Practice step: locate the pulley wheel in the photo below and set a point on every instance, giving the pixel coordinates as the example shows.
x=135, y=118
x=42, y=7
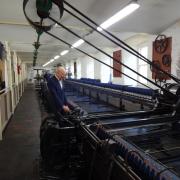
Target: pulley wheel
x=166, y=60
x=155, y=64
x=38, y=11
x=161, y=44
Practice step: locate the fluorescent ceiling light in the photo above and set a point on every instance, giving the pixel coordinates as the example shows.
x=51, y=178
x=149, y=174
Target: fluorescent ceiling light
x=56, y=57
x=130, y=8
x=78, y=43
x=64, y=52
x=52, y=60
x=46, y=64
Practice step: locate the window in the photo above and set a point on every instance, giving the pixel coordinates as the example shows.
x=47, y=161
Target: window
x=105, y=71
x=90, y=69
x=143, y=66
x=130, y=61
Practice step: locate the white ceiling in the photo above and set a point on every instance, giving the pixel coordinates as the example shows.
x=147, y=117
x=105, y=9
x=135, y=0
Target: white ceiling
x=152, y=17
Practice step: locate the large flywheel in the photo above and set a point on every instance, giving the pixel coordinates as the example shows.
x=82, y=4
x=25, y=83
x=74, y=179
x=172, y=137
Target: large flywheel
x=38, y=11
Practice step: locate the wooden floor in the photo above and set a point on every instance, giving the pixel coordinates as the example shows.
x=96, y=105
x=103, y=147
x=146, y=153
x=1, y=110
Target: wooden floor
x=19, y=150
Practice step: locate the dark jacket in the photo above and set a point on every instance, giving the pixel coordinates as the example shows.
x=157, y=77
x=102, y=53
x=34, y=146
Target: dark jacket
x=47, y=76
x=57, y=92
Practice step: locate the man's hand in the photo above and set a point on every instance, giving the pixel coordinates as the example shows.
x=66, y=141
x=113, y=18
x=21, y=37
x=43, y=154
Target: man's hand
x=66, y=109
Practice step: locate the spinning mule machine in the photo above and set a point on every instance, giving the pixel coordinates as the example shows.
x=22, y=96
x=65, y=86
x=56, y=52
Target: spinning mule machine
x=142, y=145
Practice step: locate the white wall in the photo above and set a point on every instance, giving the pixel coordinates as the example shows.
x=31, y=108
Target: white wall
x=83, y=67
x=102, y=71
x=14, y=88
x=106, y=72
x=72, y=69
x=90, y=68
x=97, y=68
x=130, y=61
x=87, y=67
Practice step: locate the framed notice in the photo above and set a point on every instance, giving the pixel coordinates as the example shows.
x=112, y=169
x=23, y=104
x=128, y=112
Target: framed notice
x=117, y=57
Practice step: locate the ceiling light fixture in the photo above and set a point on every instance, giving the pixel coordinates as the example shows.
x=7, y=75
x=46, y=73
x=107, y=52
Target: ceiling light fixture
x=52, y=60
x=130, y=8
x=56, y=57
x=78, y=43
x=46, y=64
x=64, y=52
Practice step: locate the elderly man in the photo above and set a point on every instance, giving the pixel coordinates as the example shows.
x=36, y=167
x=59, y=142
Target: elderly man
x=56, y=88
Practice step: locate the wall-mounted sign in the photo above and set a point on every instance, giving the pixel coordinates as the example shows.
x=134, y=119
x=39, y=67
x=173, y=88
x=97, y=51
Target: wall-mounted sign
x=117, y=57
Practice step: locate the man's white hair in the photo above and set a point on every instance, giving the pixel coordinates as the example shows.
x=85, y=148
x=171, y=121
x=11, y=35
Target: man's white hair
x=60, y=69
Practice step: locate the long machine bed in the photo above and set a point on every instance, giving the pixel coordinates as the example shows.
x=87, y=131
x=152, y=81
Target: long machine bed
x=123, y=94
x=149, y=135
x=142, y=143
x=151, y=151
x=89, y=104
x=102, y=144
x=161, y=142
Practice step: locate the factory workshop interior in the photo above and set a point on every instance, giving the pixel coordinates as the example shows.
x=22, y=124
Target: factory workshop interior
x=89, y=90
